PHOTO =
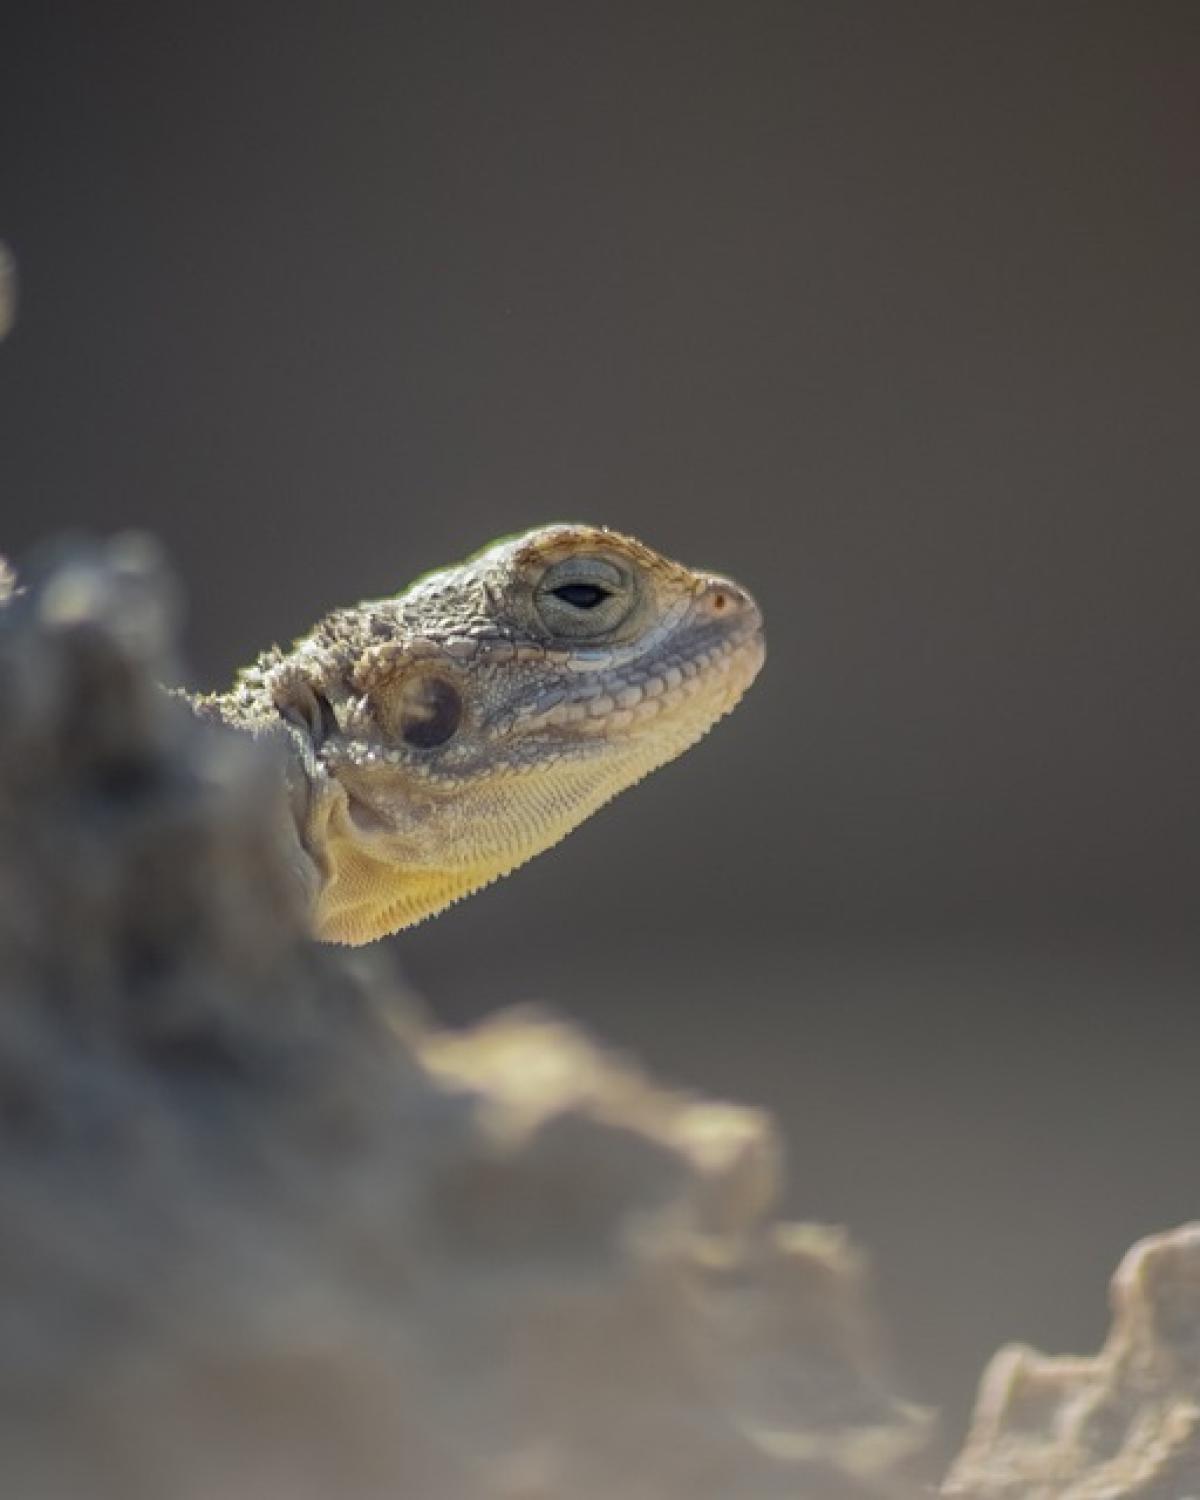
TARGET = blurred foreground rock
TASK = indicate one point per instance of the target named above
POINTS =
(267, 1237)
(1124, 1425)
(8, 290)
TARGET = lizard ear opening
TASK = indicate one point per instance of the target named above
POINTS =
(430, 711)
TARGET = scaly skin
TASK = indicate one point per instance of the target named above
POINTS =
(440, 738)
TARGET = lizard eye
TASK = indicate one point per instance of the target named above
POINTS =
(584, 598)
(430, 712)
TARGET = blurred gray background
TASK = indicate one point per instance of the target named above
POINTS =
(892, 311)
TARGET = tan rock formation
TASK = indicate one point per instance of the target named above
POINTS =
(1124, 1425)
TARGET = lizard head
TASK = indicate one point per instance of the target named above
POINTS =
(450, 733)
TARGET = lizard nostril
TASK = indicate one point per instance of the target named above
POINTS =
(724, 598)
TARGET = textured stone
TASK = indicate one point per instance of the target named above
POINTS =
(1123, 1425)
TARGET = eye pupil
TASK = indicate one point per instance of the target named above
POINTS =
(430, 712)
(582, 595)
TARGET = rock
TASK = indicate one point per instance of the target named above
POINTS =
(1123, 1425)
(268, 1234)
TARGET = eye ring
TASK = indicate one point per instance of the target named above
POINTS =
(585, 597)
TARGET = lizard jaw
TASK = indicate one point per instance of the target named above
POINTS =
(380, 874)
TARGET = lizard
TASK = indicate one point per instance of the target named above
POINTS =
(439, 738)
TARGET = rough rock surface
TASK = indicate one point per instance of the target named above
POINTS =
(1124, 1425)
(265, 1235)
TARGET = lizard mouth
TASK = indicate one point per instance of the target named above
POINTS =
(696, 677)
